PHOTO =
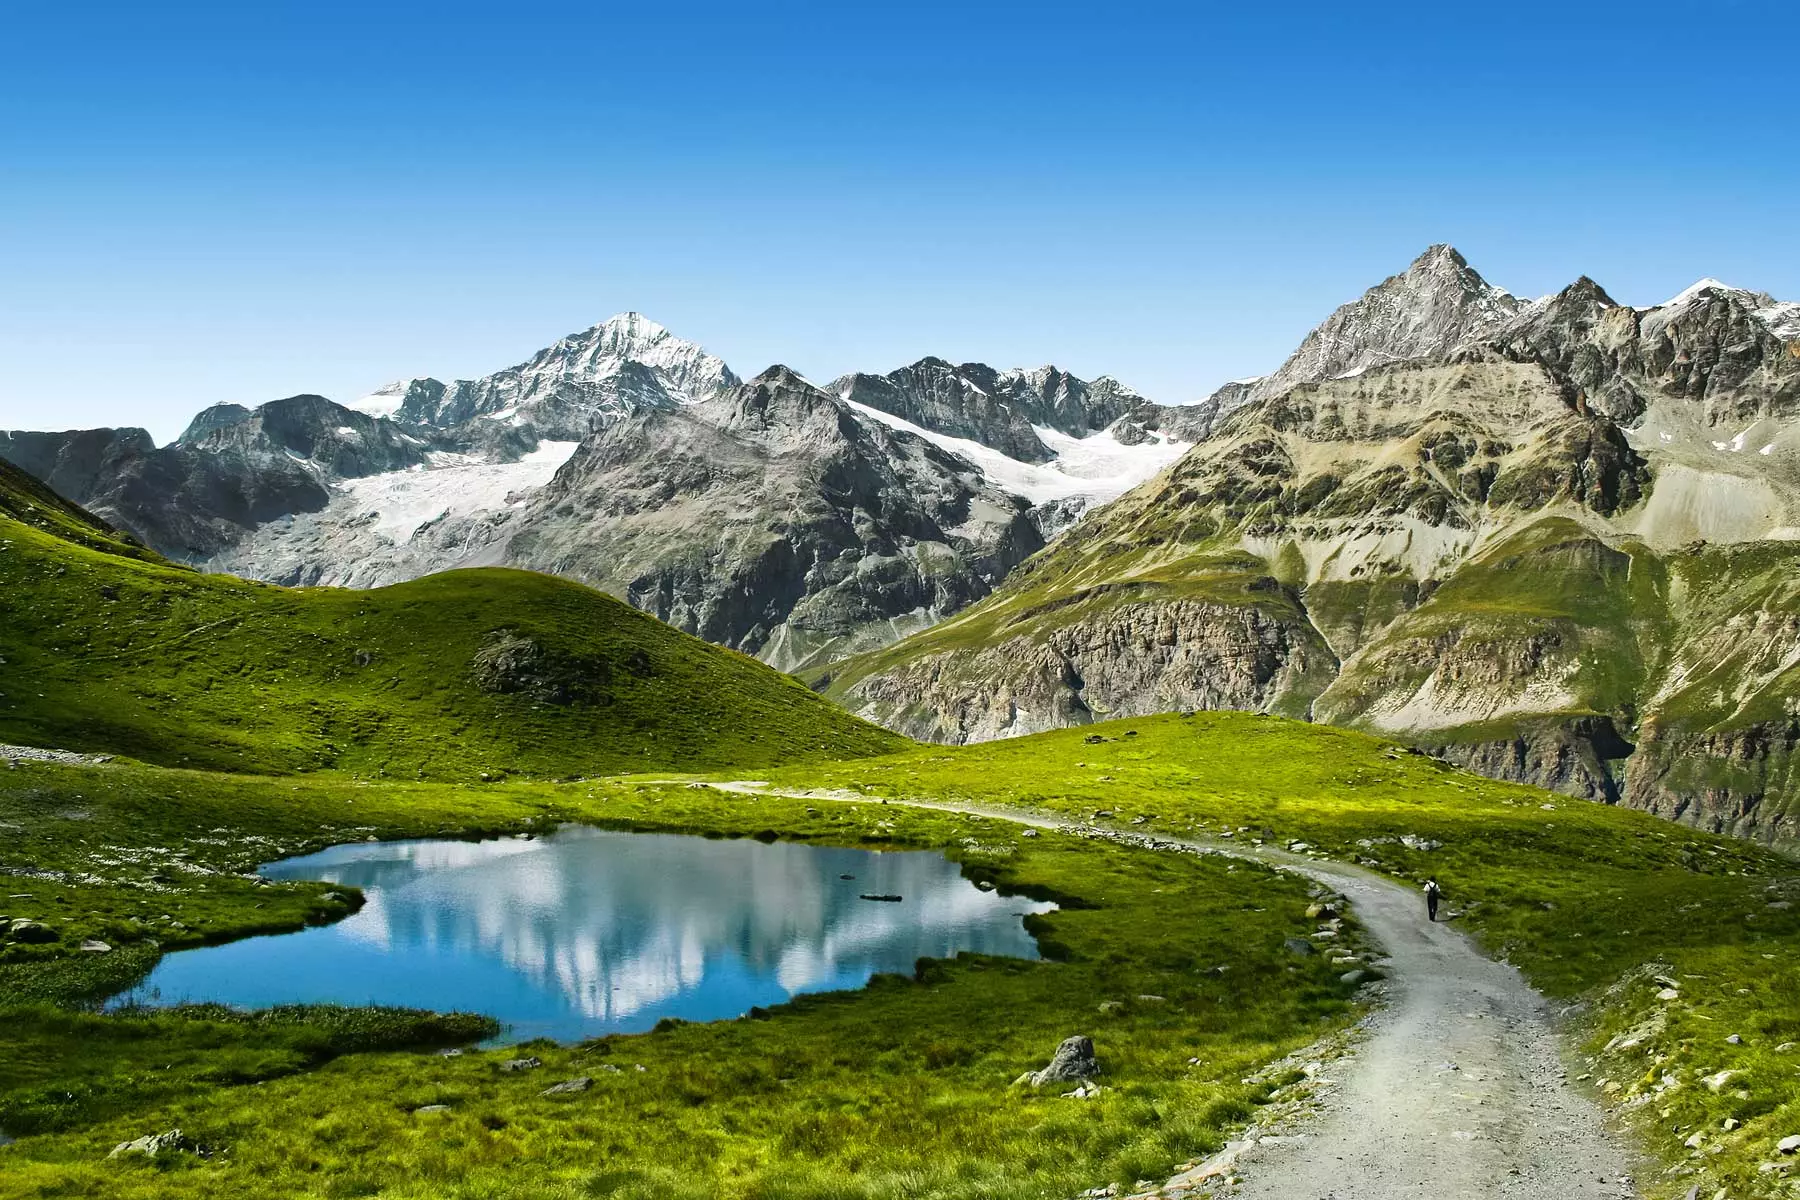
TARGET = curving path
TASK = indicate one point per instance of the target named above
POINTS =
(1458, 1090)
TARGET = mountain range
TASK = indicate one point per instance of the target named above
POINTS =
(1549, 539)
(792, 521)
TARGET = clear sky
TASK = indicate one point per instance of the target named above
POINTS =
(207, 202)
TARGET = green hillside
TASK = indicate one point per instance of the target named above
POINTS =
(107, 648)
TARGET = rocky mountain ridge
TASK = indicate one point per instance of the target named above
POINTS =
(1559, 547)
(731, 509)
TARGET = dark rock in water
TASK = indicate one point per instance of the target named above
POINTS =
(521, 1064)
(155, 1145)
(846, 877)
(873, 896)
(569, 1087)
(1073, 1060)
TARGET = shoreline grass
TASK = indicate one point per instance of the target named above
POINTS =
(903, 1088)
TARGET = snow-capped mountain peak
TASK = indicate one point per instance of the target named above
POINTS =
(1715, 286)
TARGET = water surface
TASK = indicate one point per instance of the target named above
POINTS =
(590, 931)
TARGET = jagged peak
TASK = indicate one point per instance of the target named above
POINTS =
(631, 326)
(780, 375)
(1441, 253)
(1715, 287)
(1585, 291)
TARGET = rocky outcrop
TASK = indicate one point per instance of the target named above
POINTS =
(1073, 1062)
(996, 408)
(1128, 659)
(1739, 781)
(508, 662)
(1578, 757)
(1724, 355)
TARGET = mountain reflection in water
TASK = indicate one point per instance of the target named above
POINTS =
(591, 931)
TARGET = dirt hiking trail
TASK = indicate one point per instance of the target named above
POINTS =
(1456, 1090)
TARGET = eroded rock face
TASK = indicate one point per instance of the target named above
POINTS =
(999, 409)
(1436, 305)
(1739, 781)
(1581, 757)
(1130, 660)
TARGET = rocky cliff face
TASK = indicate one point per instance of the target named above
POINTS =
(1129, 659)
(773, 520)
(1487, 548)
(186, 503)
(999, 409)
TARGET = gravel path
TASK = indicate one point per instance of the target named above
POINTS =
(1458, 1089)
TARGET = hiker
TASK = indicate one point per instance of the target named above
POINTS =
(1431, 899)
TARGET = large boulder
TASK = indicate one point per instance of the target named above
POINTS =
(1074, 1060)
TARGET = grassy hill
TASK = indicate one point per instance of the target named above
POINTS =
(106, 647)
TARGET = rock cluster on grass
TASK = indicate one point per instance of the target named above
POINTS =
(1073, 1062)
(155, 1145)
(569, 1087)
(521, 1064)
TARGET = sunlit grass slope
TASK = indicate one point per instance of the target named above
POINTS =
(1176, 966)
(107, 648)
(1605, 908)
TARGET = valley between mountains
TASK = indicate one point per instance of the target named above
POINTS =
(1551, 540)
(167, 730)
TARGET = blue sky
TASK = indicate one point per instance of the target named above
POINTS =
(202, 202)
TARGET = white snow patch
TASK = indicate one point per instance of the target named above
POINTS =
(382, 402)
(1694, 289)
(1097, 468)
(1768, 449)
(1782, 318)
(1666, 437)
(452, 485)
(346, 431)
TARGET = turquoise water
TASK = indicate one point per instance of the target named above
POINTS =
(588, 931)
